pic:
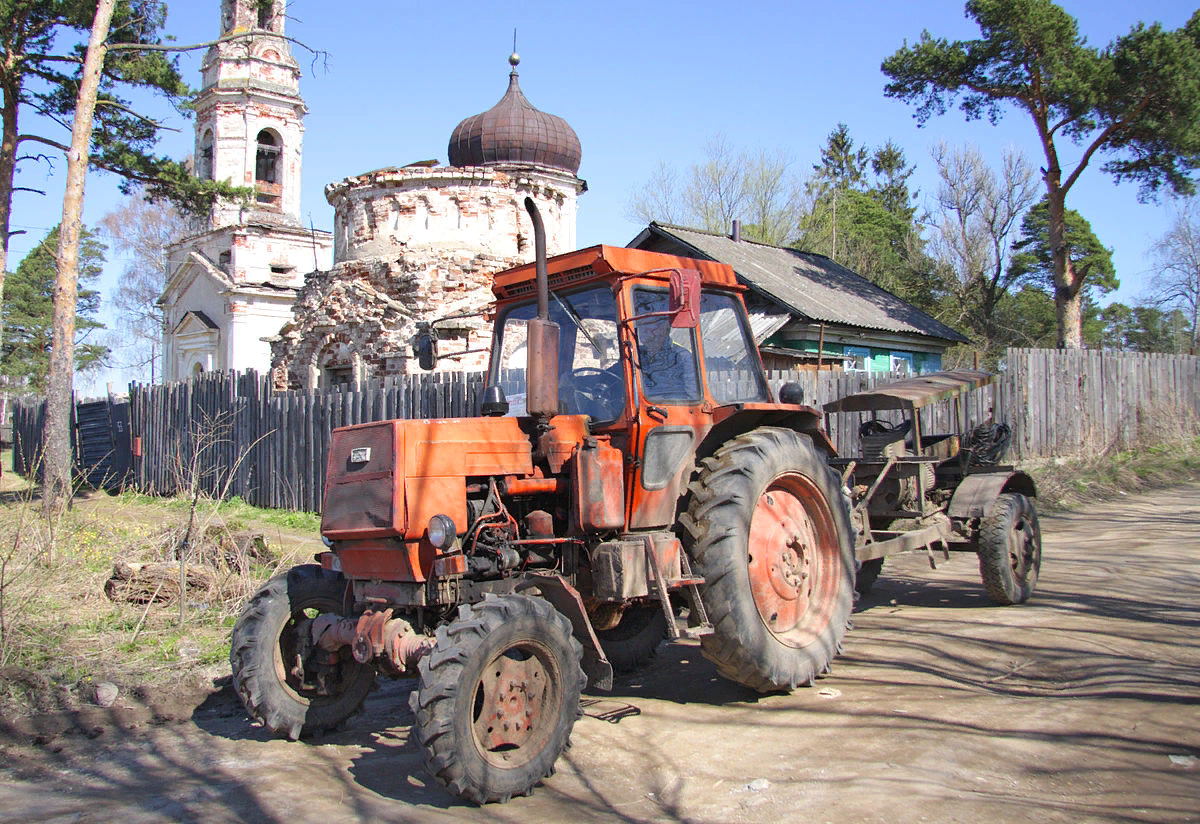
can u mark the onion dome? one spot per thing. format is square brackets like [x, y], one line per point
[513, 131]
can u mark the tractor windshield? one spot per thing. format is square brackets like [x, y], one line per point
[590, 381]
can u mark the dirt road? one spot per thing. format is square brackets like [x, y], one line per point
[1083, 705]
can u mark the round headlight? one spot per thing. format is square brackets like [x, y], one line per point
[441, 531]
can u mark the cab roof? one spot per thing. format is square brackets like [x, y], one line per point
[582, 265]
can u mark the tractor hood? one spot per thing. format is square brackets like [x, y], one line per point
[387, 479]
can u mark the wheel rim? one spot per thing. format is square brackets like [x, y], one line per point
[516, 703]
[794, 560]
[289, 664]
[1022, 546]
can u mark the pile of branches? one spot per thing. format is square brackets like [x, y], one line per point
[216, 567]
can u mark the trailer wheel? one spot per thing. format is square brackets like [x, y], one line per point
[769, 529]
[498, 697]
[868, 574]
[632, 643]
[273, 672]
[1010, 549]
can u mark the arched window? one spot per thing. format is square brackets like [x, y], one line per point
[266, 168]
[204, 164]
[266, 10]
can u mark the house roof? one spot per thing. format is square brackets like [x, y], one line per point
[195, 315]
[807, 284]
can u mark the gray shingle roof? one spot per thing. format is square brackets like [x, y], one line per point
[808, 284]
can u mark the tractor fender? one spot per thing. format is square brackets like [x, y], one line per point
[738, 419]
[979, 490]
[567, 600]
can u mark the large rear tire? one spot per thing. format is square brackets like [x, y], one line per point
[1010, 549]
[274, 671]
[769, 529]
[632, 643]
[498, 697]
[868, 574]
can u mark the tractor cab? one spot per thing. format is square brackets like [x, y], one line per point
[679, 322]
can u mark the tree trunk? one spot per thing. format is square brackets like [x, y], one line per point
[57, 483]
[8, 165]
[1067, 294]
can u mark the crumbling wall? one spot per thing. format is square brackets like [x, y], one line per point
[414, 245]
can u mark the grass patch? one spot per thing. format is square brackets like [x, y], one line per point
[59, 631]
[1069, 483]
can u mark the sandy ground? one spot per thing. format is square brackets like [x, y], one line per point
[1083, 705]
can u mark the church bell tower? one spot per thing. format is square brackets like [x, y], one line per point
[249, 114]
[232, 282]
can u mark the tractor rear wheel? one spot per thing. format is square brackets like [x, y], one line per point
[868, 574]
[1010, 549]
[276, 672]
[632, 643]
[498, 697]
[769, 530]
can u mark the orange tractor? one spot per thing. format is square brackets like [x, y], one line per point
[630, 466]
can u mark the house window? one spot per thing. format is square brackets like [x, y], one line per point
[902, 362]
[266, 168]
[339, 377]
[204, 167]
[858, 359]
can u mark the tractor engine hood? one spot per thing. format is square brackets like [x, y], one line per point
[387, 479]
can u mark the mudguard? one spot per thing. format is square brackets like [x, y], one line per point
[979, 490]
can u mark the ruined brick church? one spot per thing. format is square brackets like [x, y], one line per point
[410, 244]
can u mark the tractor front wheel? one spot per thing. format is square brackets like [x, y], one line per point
[285, 684]
[769, 529]
[498, 697]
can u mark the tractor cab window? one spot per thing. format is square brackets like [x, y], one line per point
[730, 361]
[590, 381]
[666, 355]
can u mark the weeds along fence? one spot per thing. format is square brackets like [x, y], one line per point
[232, 434]
[1071, 402]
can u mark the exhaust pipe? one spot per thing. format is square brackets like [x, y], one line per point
[542, 369]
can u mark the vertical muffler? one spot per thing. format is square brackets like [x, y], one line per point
[542, 375]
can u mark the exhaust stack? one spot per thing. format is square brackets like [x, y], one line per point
[542, 368]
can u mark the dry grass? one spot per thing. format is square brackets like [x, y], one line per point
[60, 630]
[1108, 474]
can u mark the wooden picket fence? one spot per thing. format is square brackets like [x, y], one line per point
[232, 434]
[1072, 402]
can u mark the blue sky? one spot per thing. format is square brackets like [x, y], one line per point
[640, 82]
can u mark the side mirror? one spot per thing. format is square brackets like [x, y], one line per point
[683, 298]
[426, 348]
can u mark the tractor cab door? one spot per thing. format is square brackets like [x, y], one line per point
[671, 413]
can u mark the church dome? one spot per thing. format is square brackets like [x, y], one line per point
[513, 131]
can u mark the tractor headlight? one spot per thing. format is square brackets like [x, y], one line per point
[441, 531]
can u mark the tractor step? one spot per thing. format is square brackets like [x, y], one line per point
[686, 581]
[696, 633]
